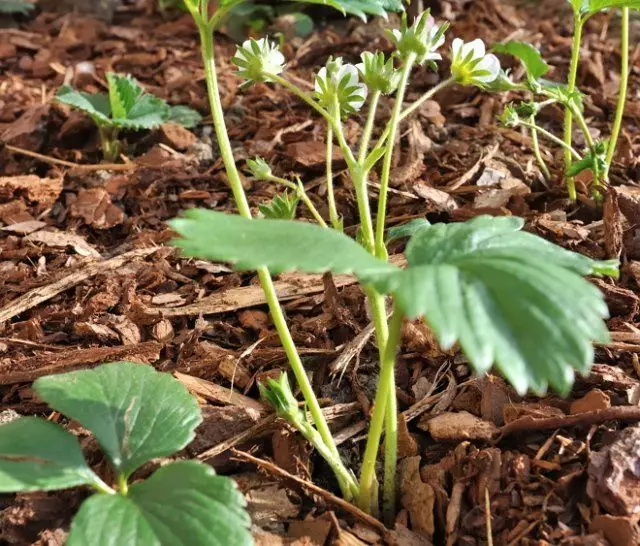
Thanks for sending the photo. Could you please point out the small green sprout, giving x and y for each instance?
(282, 207)
(125, 107)
(154, 416)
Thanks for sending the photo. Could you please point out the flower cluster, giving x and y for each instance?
(338, 86)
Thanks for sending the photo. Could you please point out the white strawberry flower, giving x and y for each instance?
(338, 81)
(471, 65)
(256, 59)
(422, 38)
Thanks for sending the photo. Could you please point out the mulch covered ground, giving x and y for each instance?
(86, 278)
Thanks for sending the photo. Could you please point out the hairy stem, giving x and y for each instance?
(405, 113)
(568, 149)
(333, 210)
(571, 85)
(368, 128)
(394, 122)
(536, 150)
(624, 81)
(277, 315)
(387, 370)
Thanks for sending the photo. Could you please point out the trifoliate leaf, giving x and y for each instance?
(508, 297)
(135, 412)
(530, 57)
(181, 503)
(97, 106)
(280, 245)
(36, 455)
(185, 116)
(281, 207)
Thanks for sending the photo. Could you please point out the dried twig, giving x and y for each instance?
(326, 495)
(63, 163)
(616, 413)
(43, 293)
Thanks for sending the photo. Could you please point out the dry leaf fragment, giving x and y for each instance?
(437, 200)
(449, 427)
(592, 401)
(416, 496)
(94, 206)
(40, 191)
(614, 474)
(618, 530)
(61, 239)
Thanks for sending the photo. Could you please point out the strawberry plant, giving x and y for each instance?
(136, 414)
(508, 298)
(599, 153)
(125, 107)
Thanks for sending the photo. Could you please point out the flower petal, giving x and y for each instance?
(456, 46)
(490, 65)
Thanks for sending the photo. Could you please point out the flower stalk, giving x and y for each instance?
(208, 57)
(571, 86)
(624, 82)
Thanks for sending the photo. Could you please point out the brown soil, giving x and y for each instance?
(86, 279)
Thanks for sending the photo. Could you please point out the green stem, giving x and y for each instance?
(368, 128)
(302, 194)
(571, 85)
(385, 134)
(331, 199)
(98, 485)
(394, 122)
(341, 472)
(570, 149)
(424, 98)
(123, 486)
(624, 81)
(387, 370)
(333, 121)
(536, 151)
(277, 315)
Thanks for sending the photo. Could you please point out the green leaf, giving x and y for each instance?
(280, 245)
(97, 106)
(185, 116)
(135, 412)
(36, 455)
(530, 57)
(131, 107)
(407, 230)
(595, 6)
(508, 297)
(15, 6)
(360, 8)
(183, 503)
(281, 207)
